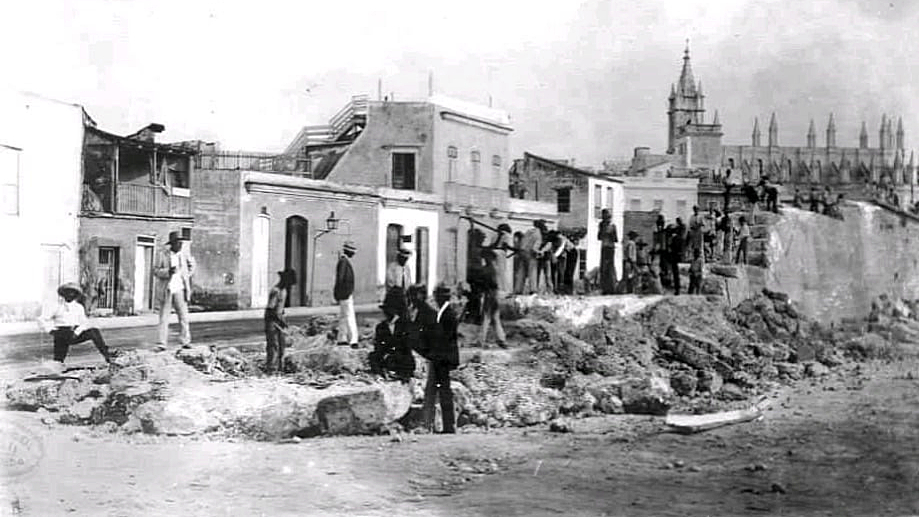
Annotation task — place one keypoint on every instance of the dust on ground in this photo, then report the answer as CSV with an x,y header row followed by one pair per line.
x,y
844,444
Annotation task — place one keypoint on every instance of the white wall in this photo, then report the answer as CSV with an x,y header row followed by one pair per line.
x,y
410,219
669,190
590,242
50,136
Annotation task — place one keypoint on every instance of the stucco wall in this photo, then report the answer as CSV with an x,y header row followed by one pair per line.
x,y
668,190
407,126
216,206
593,220
833,268
44,232
467,138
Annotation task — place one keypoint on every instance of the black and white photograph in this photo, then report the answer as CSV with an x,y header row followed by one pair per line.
x,y
482,258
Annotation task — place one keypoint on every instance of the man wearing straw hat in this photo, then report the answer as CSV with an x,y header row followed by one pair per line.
x,y
343,293
398,274
69,326
174,268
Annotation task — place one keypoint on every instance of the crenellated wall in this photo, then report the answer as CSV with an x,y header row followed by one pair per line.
x,y
833,269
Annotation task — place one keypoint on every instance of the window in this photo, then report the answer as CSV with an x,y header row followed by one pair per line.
x,y
681,208
452,154
635,204
609,198
106,278
598,200
186,233
496,170
421,255
563,200
658,205
403,171
582,263
476,160
9,180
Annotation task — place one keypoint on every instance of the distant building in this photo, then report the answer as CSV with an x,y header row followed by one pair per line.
x,y
579,196
40,147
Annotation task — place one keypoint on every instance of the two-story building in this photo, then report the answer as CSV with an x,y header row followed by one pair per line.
x,y
429,176
40,147
134,192
579,196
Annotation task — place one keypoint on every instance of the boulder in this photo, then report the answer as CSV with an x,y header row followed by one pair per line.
x,y
363,411
173,417
725,270
694,356
684,383
791,370
649,395
731,391
710,381
86,411
713,286
528,329
231,361
815,369
53,395
331,359
199,357
694,339
776,296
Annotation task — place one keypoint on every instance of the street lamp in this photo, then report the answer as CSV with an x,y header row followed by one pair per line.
x,y
331,224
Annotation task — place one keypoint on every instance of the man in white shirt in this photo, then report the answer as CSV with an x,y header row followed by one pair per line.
x,y
69,326
174,268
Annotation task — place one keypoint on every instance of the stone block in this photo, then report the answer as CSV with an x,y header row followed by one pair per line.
x,y
649,395
710,381
365,411
173,417
725,270
684,383
199,357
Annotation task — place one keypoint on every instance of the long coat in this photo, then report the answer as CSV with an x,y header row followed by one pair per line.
x,y
185,270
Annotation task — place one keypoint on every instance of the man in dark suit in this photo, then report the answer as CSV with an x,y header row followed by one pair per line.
x,y
437,343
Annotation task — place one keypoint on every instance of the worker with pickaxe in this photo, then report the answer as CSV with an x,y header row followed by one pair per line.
x,y
275,322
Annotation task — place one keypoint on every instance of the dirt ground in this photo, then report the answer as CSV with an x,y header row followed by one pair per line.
x,y
846,445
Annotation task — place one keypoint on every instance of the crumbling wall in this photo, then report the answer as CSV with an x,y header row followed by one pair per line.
x,y
833,269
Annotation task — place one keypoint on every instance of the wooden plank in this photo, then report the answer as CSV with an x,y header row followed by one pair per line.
x,y
688,424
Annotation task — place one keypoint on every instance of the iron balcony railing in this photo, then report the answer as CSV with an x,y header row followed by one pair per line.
x,y
150,200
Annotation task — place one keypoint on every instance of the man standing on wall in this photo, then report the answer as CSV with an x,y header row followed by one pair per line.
x,y
344,296
608,239
174,268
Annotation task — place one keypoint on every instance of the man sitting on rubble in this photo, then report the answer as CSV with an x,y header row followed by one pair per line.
x,y
69,325
392,352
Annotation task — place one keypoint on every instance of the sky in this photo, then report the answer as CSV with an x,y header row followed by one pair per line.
x,y
584,80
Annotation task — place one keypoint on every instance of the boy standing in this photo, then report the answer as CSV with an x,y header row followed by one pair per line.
x,y
695,272
275,322
69,326
744,235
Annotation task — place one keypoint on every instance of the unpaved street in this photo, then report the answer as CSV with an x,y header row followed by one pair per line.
x,y
846,445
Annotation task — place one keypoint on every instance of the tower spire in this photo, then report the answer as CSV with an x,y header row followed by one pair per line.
x,y
687,84
773,131
831,132
811,135
863,136
756,141
883,132
900,133
716,121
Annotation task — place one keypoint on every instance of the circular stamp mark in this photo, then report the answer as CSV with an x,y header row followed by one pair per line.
x,y
20,450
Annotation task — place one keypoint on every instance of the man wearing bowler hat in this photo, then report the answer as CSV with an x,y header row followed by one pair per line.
x,y
174,268
275,322
343,293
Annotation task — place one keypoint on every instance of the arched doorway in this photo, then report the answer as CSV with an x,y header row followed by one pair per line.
x,y
296,241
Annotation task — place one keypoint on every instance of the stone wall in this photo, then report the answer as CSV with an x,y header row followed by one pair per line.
x,y
833,269
216,207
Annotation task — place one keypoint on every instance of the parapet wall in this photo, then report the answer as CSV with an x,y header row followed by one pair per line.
x,y
833,269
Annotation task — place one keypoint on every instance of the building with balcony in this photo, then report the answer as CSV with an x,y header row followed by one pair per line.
x,y
40,147
579,196
134,192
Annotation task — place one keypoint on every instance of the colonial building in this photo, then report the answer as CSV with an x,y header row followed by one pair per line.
x,y
579,197
694,149
430,176
134,192
40,146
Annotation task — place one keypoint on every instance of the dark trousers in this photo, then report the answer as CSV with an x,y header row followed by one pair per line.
x,y
558,273
64,337
571,264
438,388
695,283
741,249
675,274
607,270
275,344
727,201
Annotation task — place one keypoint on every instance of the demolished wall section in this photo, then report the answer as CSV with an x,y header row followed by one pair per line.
x,y
834,268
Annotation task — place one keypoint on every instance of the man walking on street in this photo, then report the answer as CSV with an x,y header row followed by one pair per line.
x,y
275,322
174,268
343,293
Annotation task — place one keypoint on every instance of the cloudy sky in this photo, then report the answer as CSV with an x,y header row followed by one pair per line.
x,y
587,80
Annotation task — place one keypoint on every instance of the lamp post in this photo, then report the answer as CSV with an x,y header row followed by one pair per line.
x,y
331,224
